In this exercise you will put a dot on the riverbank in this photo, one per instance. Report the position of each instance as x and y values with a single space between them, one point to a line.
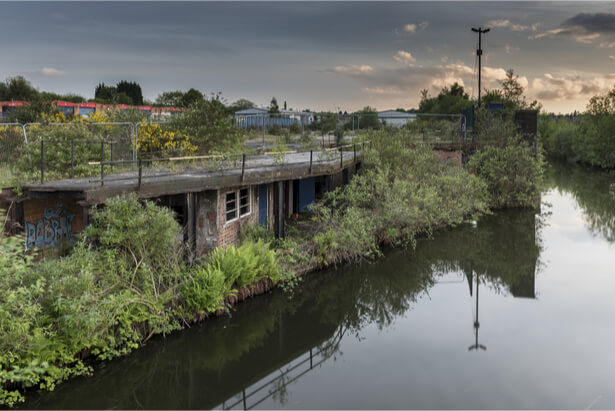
130 281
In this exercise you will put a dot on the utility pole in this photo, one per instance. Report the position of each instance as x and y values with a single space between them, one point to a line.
476 345
479 53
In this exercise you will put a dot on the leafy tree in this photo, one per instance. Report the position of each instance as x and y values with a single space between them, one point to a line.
449 101
511 95
273 106
598 131
104 93
424 94
241 104
208 125
328 124
512 89
32 112
51 96
131 89
17 88
122 98
170 99
368 118
191 97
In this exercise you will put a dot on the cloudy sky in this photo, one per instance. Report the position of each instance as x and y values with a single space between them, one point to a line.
322 56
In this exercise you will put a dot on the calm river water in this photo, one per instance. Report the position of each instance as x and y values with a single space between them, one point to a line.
517 312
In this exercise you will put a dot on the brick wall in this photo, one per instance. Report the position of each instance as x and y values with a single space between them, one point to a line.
229 233
52 223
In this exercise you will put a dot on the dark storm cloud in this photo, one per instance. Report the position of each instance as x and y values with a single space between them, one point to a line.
585 28
592 23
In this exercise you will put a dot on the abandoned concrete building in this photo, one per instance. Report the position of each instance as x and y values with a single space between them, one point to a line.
211 205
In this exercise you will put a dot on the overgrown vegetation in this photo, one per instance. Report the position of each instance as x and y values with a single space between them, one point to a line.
588 138
112 292
513 174
402 193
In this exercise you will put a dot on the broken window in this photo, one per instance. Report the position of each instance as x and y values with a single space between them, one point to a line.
237 204
244 201
231 206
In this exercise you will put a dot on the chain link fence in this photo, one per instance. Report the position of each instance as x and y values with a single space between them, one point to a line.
37 152
12 146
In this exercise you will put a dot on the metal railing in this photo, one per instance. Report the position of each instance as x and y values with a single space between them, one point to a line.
286 375
237 163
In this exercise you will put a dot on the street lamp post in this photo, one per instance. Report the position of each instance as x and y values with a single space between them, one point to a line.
479 53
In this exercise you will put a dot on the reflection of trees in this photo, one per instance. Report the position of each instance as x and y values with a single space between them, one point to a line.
502 250
210 363
593 191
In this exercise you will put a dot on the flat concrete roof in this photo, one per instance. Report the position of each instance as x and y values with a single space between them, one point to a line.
259 169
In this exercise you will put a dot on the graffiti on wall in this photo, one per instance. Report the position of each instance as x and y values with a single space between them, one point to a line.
53 230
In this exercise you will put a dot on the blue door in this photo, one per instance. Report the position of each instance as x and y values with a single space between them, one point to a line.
262 204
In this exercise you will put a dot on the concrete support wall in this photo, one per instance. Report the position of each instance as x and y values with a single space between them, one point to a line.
51 223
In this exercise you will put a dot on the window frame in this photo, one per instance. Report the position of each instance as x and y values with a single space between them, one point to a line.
237 210
248 204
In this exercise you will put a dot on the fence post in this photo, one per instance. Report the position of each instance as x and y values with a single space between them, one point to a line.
243 166
311 153
42 160
135 133
151 149
25 135
72 159
342 157
140 172
102 165
354 148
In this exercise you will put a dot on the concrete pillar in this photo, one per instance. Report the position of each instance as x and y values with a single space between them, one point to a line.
191 219
278 209
329 185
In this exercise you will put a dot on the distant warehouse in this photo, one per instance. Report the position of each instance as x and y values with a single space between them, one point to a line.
396 118
257 117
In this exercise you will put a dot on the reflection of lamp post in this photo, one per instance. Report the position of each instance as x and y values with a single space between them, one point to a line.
476 345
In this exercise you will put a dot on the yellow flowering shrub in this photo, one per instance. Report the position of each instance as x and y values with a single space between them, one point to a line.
152 138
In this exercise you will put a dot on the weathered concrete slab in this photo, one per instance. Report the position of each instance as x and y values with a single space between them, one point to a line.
258 170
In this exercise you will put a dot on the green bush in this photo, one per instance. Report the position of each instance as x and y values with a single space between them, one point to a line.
226 269
103 299
588 139
561 139
339 136
295 128
245 264
513 174
402 191
206 289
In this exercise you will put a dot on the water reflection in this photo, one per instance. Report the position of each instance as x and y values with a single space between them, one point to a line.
594 192
273 341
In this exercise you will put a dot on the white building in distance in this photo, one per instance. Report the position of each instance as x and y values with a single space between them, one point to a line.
396 118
